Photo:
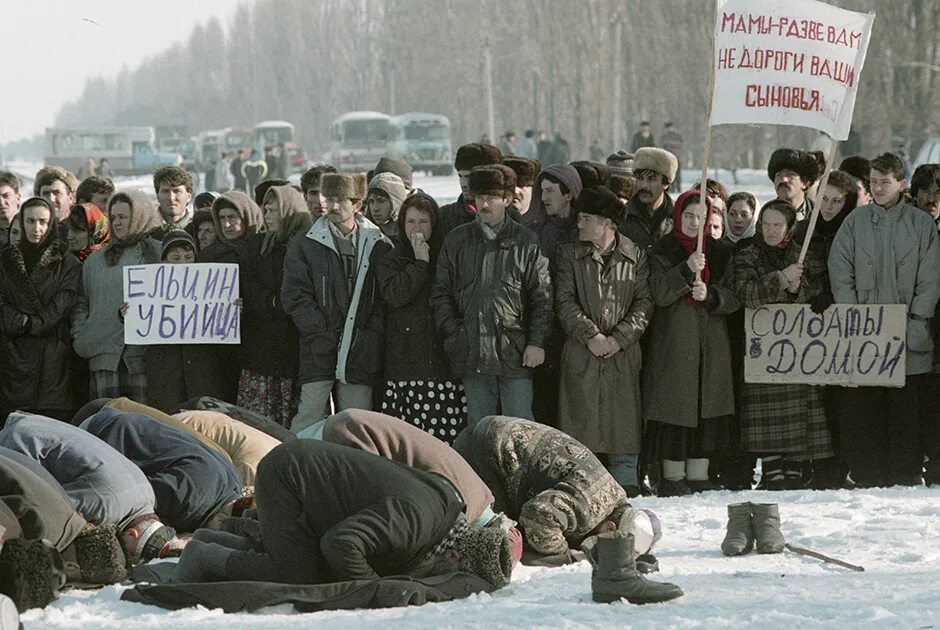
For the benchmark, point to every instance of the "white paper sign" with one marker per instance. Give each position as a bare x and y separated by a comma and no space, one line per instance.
184,303
788,62
847,344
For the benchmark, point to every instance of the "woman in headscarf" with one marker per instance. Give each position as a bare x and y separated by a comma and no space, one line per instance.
417,387
38,288
88,230
687,382
97,326
270,342
784,424
236,217
741,220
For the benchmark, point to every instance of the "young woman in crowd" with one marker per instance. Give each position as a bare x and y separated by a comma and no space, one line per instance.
270,344
417,388
741,220
38,288
88,230
784,424
687,381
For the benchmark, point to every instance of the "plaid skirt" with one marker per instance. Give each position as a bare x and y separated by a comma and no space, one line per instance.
784,419
276,397
438,407
110,384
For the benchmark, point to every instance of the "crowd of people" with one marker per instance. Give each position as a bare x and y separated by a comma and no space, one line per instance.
572,300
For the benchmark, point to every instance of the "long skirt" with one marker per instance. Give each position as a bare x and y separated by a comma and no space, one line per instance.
438,407
276,397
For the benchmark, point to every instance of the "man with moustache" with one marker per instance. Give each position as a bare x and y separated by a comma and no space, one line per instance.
793,172
526,170
649,211
925,190
462,211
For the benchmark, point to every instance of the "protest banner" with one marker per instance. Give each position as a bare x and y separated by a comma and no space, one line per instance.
184,303
847,344
788,62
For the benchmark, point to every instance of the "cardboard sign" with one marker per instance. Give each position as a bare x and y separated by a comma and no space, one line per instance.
847,344
788,62
185,303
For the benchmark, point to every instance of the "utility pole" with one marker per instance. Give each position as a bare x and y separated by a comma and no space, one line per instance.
488,85
617,134
391,90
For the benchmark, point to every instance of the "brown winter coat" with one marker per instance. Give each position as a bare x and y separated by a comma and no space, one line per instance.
599,400
687,370
399,441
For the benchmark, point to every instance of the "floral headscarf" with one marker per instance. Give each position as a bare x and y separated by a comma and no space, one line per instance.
96,224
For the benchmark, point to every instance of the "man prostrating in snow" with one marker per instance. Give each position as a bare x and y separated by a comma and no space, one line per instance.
329,513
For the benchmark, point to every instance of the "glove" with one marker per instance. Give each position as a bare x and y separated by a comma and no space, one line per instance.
202,562
821,302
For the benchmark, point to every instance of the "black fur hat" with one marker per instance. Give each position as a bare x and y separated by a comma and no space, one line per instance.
30,573
800,162
476,154
527,170
592,174
601,202
100,555
495,180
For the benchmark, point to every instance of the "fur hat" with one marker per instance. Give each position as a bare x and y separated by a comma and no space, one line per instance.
622,185
343,185
645,527
592,174
526,169
394,166
30,573
476,154
100,555
658,160
601,202
800,162
497,180
620,163
485,553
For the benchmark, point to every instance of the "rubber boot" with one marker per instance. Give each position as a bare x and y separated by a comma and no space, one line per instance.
615,576
765,519
739,539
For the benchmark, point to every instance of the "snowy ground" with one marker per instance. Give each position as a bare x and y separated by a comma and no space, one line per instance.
892,533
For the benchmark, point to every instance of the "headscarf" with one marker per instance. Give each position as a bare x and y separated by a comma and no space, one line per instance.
751,230
246,207
293,212
96,226
690,243
789,213
32,252
567,174
144,220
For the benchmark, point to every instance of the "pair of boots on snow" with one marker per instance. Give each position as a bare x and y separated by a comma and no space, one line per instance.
616,574
750,523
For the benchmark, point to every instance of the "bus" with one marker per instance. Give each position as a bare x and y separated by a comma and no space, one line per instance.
271,133
358,140
129,150
422,140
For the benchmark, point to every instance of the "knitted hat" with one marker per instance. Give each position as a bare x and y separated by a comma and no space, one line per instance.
485,554
100,555
176,238
592,174
476,154
622,185
497,180
620,163
153,539
800,162
601,202
645,527
204,200
394,166
393,186
30,573
526,169
657,160
343,185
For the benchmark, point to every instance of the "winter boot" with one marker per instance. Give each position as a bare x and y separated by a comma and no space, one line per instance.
615,575
740,537
765,519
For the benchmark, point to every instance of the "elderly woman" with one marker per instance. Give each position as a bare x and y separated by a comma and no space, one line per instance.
38,288
417,389
782,423
88,230
687,380
269,349
236,217
97,329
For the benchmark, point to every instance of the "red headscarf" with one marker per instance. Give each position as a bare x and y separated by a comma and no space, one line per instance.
690,243
98,231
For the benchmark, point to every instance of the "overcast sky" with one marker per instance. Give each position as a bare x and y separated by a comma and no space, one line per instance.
49,47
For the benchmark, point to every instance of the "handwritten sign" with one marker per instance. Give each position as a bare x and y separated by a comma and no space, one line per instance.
185,303
788,62
847,344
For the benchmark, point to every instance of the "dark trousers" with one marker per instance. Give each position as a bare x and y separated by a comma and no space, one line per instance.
879,428
930,426
546,379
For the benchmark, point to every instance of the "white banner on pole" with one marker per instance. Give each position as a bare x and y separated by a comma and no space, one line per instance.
847,344
788,62
184,303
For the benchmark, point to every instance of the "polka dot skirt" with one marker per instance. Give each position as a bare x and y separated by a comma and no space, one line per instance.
438,407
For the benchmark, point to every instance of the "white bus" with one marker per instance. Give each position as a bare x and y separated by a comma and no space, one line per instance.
358,140
422,140
129,150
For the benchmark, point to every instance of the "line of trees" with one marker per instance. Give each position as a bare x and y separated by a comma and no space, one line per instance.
309,61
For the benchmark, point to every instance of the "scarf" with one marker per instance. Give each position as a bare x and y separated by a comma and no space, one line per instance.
690,243
144,220
246,207
748,233
96,226
32,252
293,213
789,213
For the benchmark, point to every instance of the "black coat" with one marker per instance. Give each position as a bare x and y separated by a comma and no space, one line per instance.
178,372
36,347
329,512
270,340
413,350
645,229
191,482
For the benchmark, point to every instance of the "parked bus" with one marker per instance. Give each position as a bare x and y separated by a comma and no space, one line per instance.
209,145
271,133
422,140
358,140
129,150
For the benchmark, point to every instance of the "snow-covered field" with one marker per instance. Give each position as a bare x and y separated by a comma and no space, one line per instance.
892,532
